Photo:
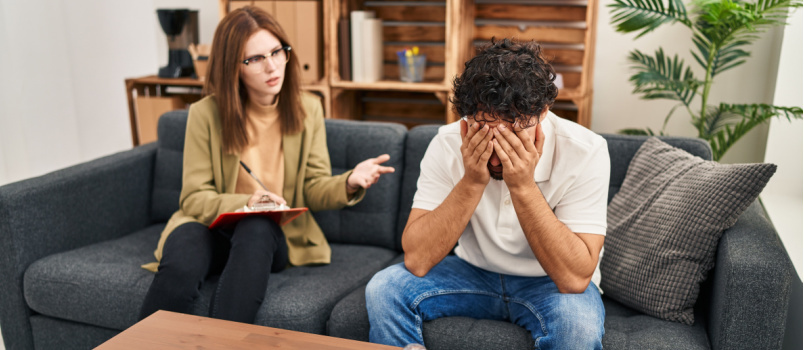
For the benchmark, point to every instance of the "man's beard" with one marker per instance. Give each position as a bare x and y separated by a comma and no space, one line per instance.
497,173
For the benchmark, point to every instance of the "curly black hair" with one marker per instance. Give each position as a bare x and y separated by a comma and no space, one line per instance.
508,80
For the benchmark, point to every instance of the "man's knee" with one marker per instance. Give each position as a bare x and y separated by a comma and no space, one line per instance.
582,322
583,333
386,286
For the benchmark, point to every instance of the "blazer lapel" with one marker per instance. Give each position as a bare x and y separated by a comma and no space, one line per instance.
289,144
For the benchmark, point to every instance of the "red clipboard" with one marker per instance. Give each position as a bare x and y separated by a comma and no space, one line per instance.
281,217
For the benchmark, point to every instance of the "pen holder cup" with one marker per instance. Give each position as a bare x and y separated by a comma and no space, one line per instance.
201,68
411,69
200,55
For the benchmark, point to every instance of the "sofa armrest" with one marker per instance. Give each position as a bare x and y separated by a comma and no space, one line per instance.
751,286
63,210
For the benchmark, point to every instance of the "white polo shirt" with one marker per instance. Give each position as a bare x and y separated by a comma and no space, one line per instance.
572,173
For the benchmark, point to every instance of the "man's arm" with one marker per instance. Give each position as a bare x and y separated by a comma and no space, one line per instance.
569,258
430,235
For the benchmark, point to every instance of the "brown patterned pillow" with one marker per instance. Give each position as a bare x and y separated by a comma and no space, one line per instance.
665,223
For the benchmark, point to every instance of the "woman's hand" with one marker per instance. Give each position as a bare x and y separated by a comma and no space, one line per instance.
367,173
258,194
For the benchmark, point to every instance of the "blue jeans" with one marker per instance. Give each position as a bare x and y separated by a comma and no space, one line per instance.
399,302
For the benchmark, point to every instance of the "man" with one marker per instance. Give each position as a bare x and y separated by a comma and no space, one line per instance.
529,241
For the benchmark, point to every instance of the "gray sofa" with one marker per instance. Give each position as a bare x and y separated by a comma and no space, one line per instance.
72,241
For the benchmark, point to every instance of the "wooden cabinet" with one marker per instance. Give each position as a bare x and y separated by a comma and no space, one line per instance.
438,28
448,31
150,97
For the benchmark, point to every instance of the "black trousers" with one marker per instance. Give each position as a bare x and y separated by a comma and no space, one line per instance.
244,257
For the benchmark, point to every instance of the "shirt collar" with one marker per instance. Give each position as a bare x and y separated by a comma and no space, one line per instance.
545,166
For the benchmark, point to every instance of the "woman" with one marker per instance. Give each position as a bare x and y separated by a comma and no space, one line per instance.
256,119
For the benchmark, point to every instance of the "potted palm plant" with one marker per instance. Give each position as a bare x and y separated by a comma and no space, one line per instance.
721,32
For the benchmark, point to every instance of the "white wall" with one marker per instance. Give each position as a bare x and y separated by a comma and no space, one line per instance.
62,91
615,107
782,196
36,135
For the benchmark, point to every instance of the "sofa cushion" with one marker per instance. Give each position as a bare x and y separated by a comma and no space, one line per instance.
52,333
103,284
625,329
665,223
349,318
623,147
168,165
630,329
100,284
372,221
302,298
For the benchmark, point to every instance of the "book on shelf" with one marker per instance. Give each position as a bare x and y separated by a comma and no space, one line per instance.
366,46
356,18
372,49
344,49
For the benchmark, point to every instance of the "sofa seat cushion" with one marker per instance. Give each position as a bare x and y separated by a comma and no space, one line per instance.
630,329
103,284
625,329
100,284
302,298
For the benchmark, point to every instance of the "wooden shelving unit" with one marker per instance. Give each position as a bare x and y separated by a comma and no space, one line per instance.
148,97
448,31
437,28
566,31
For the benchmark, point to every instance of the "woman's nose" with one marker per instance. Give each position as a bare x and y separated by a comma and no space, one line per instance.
269,65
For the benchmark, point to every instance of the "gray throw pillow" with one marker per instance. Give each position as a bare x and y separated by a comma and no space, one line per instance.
665,223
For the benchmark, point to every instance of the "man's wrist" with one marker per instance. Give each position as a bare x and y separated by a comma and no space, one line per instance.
525,189
473,186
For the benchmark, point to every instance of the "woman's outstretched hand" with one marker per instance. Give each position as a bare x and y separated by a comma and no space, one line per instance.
367,173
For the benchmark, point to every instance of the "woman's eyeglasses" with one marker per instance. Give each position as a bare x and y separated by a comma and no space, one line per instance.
278,57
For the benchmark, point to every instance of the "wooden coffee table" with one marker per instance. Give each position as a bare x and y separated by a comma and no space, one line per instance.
170,330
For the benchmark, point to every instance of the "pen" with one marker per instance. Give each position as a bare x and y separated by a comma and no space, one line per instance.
254,176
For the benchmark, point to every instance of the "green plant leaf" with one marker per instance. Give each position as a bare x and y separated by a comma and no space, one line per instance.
647,15
727,55
667,118
775,11
727,123
663,77
723,27
702,44
722,30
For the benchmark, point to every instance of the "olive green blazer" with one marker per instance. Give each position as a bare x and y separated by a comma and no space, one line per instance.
210,175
